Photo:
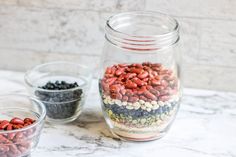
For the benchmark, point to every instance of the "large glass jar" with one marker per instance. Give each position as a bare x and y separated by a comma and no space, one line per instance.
140,84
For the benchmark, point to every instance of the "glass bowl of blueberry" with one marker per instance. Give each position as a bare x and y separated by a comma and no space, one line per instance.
62,87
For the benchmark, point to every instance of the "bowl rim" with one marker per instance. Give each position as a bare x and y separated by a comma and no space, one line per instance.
36,123
30,84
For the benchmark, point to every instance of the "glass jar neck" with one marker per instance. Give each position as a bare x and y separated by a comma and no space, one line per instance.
142,31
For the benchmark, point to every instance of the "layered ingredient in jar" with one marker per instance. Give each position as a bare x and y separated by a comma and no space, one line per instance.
139,99
13,144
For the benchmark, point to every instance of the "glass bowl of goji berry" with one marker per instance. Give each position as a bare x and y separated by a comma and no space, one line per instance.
21,121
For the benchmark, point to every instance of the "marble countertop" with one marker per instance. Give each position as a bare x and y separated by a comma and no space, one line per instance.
205,127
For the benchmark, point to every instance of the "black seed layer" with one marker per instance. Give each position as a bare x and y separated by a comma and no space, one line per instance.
140,113
60,104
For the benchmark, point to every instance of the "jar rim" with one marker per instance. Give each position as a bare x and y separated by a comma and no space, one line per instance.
29,82
146,13
166,39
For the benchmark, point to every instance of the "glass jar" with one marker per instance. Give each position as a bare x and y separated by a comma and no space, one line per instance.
140,84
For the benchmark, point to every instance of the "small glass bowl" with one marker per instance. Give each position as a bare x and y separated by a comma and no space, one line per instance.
65,105
20,142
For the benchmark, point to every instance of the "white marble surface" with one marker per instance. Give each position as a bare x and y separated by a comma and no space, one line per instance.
205,127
